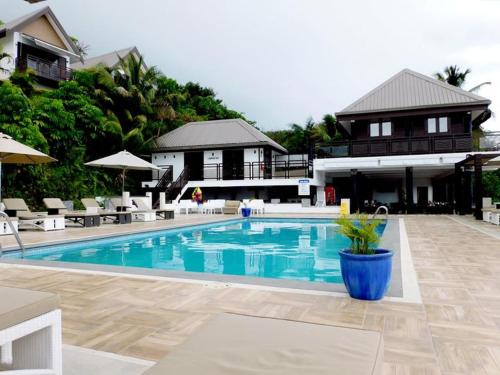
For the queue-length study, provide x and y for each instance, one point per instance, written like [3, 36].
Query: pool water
[297, 249]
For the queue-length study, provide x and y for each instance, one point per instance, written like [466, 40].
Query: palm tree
[455, 76]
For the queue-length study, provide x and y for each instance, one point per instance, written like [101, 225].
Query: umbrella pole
[0, 180]
[123, 185]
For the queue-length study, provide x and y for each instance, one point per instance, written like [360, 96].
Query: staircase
[171, 189]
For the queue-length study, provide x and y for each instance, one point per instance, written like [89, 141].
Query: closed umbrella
[13, 152]
[123, 160]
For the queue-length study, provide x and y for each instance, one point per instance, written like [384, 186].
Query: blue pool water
[298, 249]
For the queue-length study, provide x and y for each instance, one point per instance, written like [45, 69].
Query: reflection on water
[299, 250]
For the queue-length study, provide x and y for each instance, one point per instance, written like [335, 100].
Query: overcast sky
[281, 61]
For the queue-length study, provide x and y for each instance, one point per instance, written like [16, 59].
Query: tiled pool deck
[455, 331]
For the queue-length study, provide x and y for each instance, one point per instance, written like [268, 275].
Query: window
[378, 129]
[431, 125]
[443, 124]
[386, 129]
[435, 125]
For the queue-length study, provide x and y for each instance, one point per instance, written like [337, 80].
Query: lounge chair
[57, 207]
[91, 204]
[17, 207]
[231, 207]
[137, 215]
[30, 332]
[164, 214]
[237, 344]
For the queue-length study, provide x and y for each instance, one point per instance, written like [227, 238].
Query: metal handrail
[14, 232]
[378, 209]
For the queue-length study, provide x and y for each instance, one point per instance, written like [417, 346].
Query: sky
[283, 61]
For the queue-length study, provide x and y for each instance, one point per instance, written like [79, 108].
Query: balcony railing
[246, 171]
[397, 146]
[44, 68]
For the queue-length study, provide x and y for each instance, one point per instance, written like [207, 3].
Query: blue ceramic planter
[246, 212]
[366, 277]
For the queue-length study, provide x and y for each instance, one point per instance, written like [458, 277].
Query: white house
[230, 159]
[38, 41]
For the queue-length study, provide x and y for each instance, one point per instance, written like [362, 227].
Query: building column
[409, 190]
[478, 187]
[467, 193]
[459, 200]
[354, 191]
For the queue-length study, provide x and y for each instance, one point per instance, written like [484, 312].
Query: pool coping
[392, 239]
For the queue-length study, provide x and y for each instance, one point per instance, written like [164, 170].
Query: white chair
[257, 206]
[218, 205]
[207, 208]
[188, 206]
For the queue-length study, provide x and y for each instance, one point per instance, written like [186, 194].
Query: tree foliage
[98, 112]
[299, 138]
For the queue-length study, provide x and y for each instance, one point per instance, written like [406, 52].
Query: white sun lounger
[137, 214]
[30, 332]
[18, 208]
[239, 345]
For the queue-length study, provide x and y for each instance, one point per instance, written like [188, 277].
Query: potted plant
[366, 270]
[245, 210]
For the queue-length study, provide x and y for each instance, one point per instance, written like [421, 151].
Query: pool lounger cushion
[19, 305]
[238, 344]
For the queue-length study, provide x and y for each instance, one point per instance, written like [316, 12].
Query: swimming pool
[294, 249]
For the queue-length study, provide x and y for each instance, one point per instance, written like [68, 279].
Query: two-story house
[228, 159]
[39, 42]
[405, 138]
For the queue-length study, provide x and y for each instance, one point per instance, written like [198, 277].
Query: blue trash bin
[245, 212]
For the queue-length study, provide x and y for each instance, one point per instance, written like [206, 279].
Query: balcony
[397, 146]
[43, 68]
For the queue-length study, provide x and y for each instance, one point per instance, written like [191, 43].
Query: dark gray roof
[22, 21]
[410, 90]
[214, 134]
[110, 59]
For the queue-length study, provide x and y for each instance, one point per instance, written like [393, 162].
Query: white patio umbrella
[495, 162]
[13, 152]
[123, 160]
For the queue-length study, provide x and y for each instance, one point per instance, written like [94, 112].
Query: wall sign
[304, 187]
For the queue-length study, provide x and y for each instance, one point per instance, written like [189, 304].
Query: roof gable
[411, 90]
[43, 30]
[214, 134]
[44, 25]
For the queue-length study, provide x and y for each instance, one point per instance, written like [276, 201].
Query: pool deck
[455, 331]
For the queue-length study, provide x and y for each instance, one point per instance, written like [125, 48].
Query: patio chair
[57, 207]
[187, 205]
[92, 206]
[17, 207]
[30, 332]
[231, 207]
[137, 214]
[164, 214]
[257, 206]
[238, 344]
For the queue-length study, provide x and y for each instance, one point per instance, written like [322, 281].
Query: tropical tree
[456, 76]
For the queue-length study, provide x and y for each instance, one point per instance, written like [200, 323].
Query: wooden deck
[456, 331]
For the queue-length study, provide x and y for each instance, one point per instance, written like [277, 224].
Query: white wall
[251, 155]
[176, 159]
[212, 157]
